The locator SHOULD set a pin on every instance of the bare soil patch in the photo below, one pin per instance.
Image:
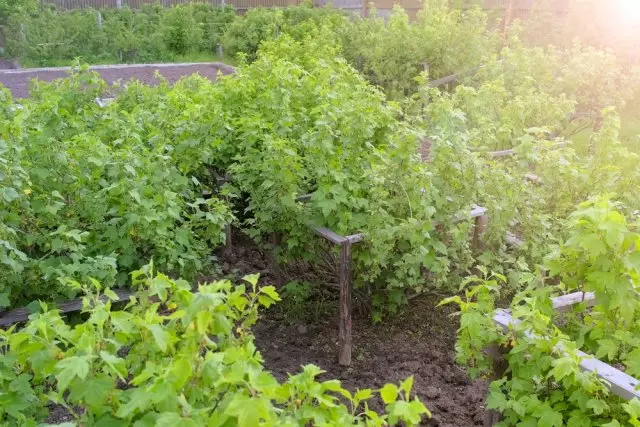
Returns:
(418, 342)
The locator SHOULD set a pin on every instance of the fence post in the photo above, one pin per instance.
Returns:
(119, 4)
(499, 366)
(99, 21)
(481, 225)
(345, 273)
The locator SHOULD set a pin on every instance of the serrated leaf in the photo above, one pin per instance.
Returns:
(160, 336)
(70, 368)
(389, 393)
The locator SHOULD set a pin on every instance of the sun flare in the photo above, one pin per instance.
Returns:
(628, 11)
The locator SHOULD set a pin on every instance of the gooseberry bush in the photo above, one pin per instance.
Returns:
(542, 383)
(173, 356)
(82, 196)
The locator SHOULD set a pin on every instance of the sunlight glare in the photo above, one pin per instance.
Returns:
(628, 11)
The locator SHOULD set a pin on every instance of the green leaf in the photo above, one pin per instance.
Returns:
(363, 394)
(271, 292)
(389, 393)
(406, 386)
(607, 348)
(117, 365)
(252, 279)
(598, 406)
(70, 368)
(172, 419)
(160, 335)
(550, 418)
(248, 411)
(563, 367)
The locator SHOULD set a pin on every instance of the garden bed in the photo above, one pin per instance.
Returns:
(418, 342)
(18, 80)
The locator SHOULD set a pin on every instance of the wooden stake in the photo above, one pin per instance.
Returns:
(345, 338)
(482, 223)
(496, 355)
(507, 21)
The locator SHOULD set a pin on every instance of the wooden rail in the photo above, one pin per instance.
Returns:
(20, 315)
(618, 382)
(512, 152)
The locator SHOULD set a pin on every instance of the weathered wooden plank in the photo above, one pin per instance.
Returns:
(513, 240)
(512, 152)
(345, 277)
(22, 314)
(330, 235)
(618, 382)
(221, 180)
(565, 302)
(444, 80)
(355, 238)
(477, 211)
(304, 198)
(104, 102)
(532, 177)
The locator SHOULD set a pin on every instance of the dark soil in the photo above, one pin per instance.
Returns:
(8, 64)
(18, 80)
(418, 342)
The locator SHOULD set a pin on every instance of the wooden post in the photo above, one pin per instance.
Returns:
(219, 50)
(228, 240)
(345, 338)
(119, 4)
(482, 222)
(499, 366)
(507, 21)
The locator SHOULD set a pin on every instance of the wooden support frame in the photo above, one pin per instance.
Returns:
(618, 382)
(345, 271)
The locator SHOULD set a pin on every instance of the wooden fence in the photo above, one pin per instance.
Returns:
(100, 4)
(514, 8)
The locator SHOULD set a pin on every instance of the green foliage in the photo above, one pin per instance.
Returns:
(173, 357)
(544, 384)
(9, 8)
(442, 41)
(152, 33)
(602, 257)
(86, 195)
(305, 122)
(246, 34)
(390, 54)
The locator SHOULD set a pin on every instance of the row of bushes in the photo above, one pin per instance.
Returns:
(391, 54)
(152, 33)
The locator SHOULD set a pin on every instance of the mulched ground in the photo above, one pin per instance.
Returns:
(419, 342)
(17, 80)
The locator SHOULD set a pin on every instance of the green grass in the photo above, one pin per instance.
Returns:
(191, 57)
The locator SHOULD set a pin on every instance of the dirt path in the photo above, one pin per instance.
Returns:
(18, 80)
(419, 342)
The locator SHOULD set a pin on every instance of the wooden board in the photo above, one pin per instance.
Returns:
(19, 315)
(565, 302)
(512, 152)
